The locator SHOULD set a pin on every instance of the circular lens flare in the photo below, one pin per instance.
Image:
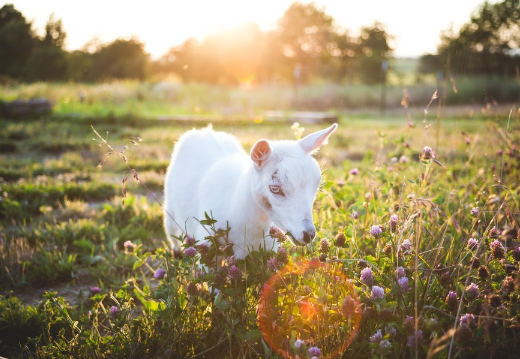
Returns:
(309, 304)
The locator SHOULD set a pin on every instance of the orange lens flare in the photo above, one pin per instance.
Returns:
(309, 304)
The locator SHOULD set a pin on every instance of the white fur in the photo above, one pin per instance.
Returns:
(210, 172)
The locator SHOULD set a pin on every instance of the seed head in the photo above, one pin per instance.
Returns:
(464, 333)
(367, 277)
(340, 240)
(452, 301)
(324, 246)
(475, 262)
(494, 300)
(376, 231)
(494, 232)
(483, 272)
(323, 257)
(159, 274)
(408, 324)
(387, 249)
(193, 289)
(190, 241)
(393, 223)
(348, 306)
(203, 249)
(509, 285)
(378, 293)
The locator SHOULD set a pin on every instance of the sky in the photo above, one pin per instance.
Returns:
(415, 24)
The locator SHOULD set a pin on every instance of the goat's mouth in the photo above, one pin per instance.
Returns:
(294, 240)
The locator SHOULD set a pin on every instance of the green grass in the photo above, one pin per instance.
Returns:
(63, 229)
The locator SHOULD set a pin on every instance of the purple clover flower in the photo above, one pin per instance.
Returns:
(404, 285)
(428, 153)
(472, 291)
(355, 215)
(354, 172)
(393, 223)
(415, 339)
(378, 293)
(400, 272)
(376, 231)
(190, 252)
(390, 330)
(475, 211)
(467, 319)
(273, 264)
(159, 273)
(377, 337)
(129, 246)
(472, 243)
(367, 277)
(234, 272)
(299, 343)
(384, 345)
(114, 310)
(190, 241)
(452, 300)
(94, 290)
(315, 351)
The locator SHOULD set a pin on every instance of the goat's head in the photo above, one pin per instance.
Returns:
(286, 181)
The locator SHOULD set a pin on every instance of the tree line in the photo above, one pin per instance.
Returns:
(306, 44)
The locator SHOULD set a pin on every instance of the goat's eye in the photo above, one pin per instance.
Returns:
(276, 190)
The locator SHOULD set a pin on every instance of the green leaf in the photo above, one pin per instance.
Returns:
(149, 304)
(138, 263)
(253, 336)
(220, 303)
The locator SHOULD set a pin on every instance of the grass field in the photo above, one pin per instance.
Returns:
(84, 275)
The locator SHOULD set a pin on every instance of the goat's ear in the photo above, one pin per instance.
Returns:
(314, 141)
(261, 152)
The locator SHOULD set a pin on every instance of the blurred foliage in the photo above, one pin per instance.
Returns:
(487, 44)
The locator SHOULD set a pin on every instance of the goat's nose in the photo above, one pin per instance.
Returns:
(308, 236)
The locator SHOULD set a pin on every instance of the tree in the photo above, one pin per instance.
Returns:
(487, 44)
(373, 49)
(16, 42)
(48, 61)
(120, 59)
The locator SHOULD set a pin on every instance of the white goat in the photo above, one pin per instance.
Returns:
(277, 183)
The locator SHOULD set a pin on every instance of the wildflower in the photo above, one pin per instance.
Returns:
(340, 183)
(277, 234)
(404, 285)
(324, 246)
(114, 310)
(340, 240)
(494, 232)
(483, 272)
(385, 345)
(475, 211)
(403, 159)
(367, 277)
(497, 250)
(272, 264)
(387, 249)
(399, 272)
(315, 351)
(234, 272)
(464, 333)
(377, 337)
(509, 285)
(282, 255)
(190, 252)
(406, 246)
(323, 257)
(516, 254)
(452, 300)
(203, 249)
(348, 306)
(494, 300)
(415, 339)
(467, 319)
(378, 293)
(428, 153)
(355, 215)
(472, 243)
(408, 324)
(193, 289)
(354, 171)
(298, 343)
(393, 223)
(390, 330)
(190, 241)
(94, 290)
(129, 246)
(472, 291)
(159, 274)
(376, 231)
